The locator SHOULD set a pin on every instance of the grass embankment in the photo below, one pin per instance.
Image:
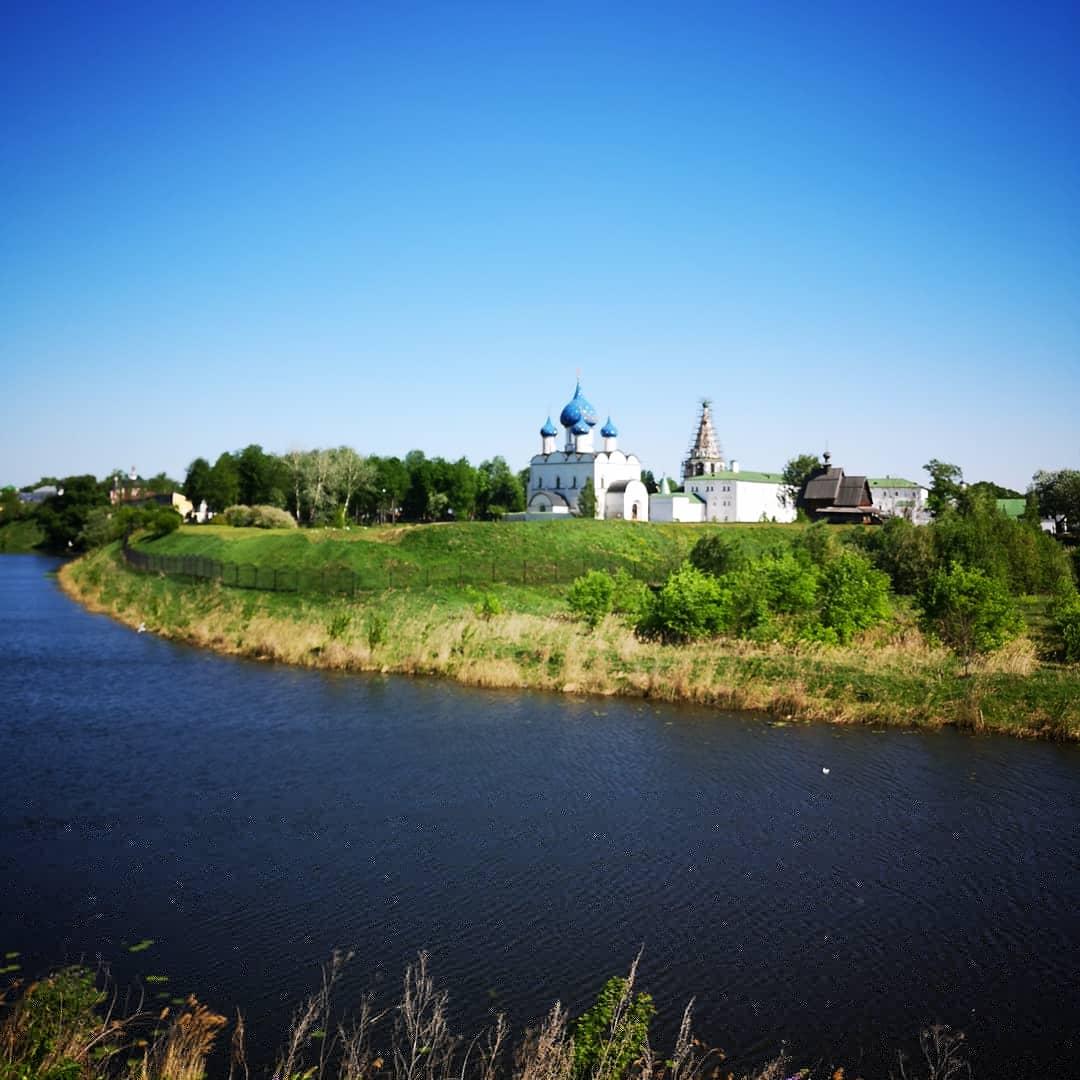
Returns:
(892, 678)
(479, 551)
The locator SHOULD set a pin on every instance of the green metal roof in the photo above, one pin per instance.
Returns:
(893, 481)
(677, 495)
(743, 475)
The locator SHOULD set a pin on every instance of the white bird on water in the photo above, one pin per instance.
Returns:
(825, 770)
(141, 628)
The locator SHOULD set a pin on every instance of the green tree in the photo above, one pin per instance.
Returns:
(647, 478)
(498, 489)
(260, 478)
(1059, 496)
(946, 483)
(969, 611)
(793, 479)
(197, 481)
(223, 488)
(586, 503)
(591, 596)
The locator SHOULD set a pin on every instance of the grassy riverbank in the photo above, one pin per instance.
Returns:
(522, 637)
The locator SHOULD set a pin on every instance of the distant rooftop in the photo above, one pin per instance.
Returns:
(893, 481)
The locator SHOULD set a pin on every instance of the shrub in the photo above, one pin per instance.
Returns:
(613, 1035)
(488, 606)
(272, 517)
(259, 517)
(854, 595)
(631, 596)
(717, 554)
(591, 596)
(691, 605)
(237, 516)
(1066, 616)
(969, 611)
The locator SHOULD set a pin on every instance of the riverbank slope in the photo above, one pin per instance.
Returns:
(520, 637)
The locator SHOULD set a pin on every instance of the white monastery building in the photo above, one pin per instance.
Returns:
(895, 497)
(556, 476)
(713, 490)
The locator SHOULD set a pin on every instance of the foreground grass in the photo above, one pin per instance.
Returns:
(531, 643)
(65, 1027)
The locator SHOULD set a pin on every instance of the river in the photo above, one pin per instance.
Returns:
(250, 818)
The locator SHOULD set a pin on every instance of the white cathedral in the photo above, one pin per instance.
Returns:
(556, 477)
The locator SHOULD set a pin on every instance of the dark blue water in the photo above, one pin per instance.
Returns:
(250, 818)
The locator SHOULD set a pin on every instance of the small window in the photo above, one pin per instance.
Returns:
(573, 482)
(558, 483)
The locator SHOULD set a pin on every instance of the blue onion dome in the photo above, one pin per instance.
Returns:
(580, 428)
(609, 430)
(578, 408)
(549, 429)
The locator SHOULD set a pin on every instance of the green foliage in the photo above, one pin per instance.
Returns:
(903, 550)
(591, 596)
(945, 486)
(586, 503)
(47, 1034)
(718, 554)
(613, 1035)
(339, 624)
(258, 517)
(795, 475)
(854, 596)
(631, 597)
(375, 626)
(969, 611)
(1058, 495)
(488, 606)
(690, 606)
(1066, 615)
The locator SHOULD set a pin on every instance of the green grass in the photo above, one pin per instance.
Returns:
(473, 551)
(20, 537)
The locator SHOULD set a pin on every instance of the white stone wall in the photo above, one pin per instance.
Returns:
(729, 498)
(896, 501)
(673, 508)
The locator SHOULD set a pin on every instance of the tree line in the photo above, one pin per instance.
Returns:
(339, 486)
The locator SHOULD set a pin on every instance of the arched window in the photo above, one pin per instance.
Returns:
(558, 483)
(573, 482)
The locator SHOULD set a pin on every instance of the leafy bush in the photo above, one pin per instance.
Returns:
(969, 611)
(903, 551)
(488, 606)
(613, 1035)
(591, 596)
(631, 596)
(1066, 615)
(690, 606)
(717, 554)
(259, 517)
(854, 595)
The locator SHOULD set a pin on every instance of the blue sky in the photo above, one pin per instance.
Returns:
(397, 225)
